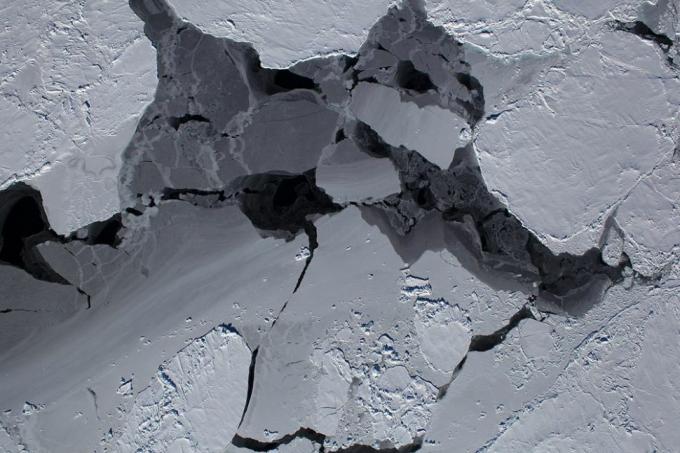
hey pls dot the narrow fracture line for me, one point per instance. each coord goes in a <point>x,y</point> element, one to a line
<point>310,230</point>
<point>251,383</point>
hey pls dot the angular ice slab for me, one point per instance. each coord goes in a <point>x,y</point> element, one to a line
<point>432,131</point>
<point>347,174</point>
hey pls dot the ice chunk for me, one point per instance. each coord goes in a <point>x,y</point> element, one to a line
<point>347,174</point>
<point>432,131</point>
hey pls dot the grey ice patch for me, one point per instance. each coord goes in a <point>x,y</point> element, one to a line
<point>287,134</point>
<point>366,380</point>
<point>348,175</point>
<point>34,306</point>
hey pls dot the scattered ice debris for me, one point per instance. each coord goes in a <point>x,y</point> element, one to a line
<point>303,254</point>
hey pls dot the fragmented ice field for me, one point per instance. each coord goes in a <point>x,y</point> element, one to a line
<point>445,225</point>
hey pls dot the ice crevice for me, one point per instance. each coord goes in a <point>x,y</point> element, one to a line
<point>486,342</point>
<point>251,382</point>
<point>642,30</point>
<point>4,311</point>
<point>482,343</point>
<point>310,231</point>
<point>318,440</point>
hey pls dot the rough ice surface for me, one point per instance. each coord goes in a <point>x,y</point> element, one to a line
<point>440,225</point>
<point>75,78</point>
<point>366,382</point>
<point>196,399</point>
<point>592,130</point>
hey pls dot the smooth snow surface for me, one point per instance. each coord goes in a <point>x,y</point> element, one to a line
<point>284,32</point>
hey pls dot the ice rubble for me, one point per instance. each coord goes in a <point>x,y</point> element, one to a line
<point>196,399</point>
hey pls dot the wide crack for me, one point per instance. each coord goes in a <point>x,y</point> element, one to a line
<point>641,29</point>
<point>176,121</point>
<point>461,196</point>
<point>255,445</point>
<point>310,230</point>
<point>483,343</point>
<point>319,438</point>
<point>104,232</point>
